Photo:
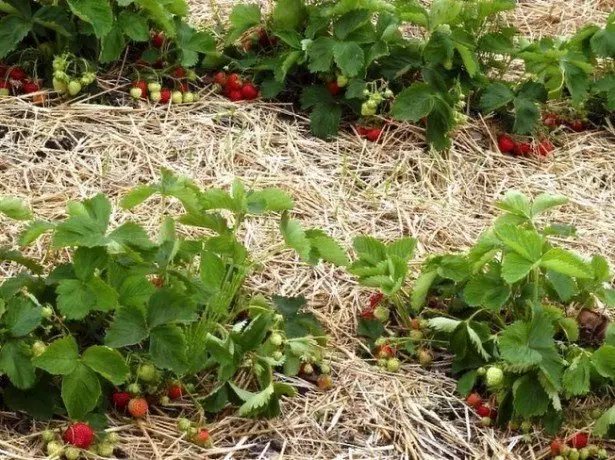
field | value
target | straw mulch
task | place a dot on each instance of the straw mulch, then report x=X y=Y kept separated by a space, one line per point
x=346 y=186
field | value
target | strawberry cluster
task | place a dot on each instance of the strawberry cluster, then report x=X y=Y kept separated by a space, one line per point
x=553 y=120
x=234 y=88
x=541 y=148
x=371 y=134
x=14 y=80
x=155 y=92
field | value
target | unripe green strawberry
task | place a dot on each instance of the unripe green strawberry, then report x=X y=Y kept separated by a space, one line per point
x=105 y=449
x=527 y=438
x=602 y=454
x=113 y=438
x=155 y=96
x=183 y=424
x=584 y=454
x=74 y=87
x=191 y=75
x=307 y=369
x=276 y=339
x=526 y=426
x=381 y=313
x=188 y=98
x=54 y=448
x=4 y=92
x=72 y=453
x=481 y=371
x=278 y=318
x=366 y=93
x=165 y=400
x=425 y=357
x=47 y=312
x=154 y=87
x=177 y=97
x=366 y=110
x=136 y=93
x=134 y=388
x=388 y=93
x=61 y=76
x=393 y=365
x=380 y=341
x=372 y=103
x=559 y=457
x=48 y=435
x=38 y=348
x=415 y=335
x=59 y=64
x=485 y=421
x=277 y=355
x=146 y=372
x=494 y=376
x=342 y=81
x=325 y=369
x=573 y=454
x=59 y=86
x=596 y=413
x=191 y=432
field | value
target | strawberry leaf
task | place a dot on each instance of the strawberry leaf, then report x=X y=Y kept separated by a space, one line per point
x=129 y=327
x=15 y=363
x=80 y=391
x=15 y=208
x=107 y=362
x=167 y=347
x=61 y=357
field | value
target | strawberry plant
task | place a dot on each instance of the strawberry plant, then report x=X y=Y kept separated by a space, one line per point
x=131 y=321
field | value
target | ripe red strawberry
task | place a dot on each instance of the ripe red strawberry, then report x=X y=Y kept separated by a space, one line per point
x=158 y=40
x=175 y=392
x=79 y=434
x=179 y=72
x=235 y=95
x=556 y=447
x=551 y=120
x=578 y=440
x=220 y=78
x=137 y=407
x=522 y=149
x=385 y=351
x=362 y=131
x=544 y=147
x=142 y=85
x=506 y=144
x=17 y=73
x=577 y=126
x=183 y=87
x=373 y=134
x=333 y=88
x=201 y=438
x=375 y=299
x=367 y=313
x=474 y=400
x=120 y=399
x=233 y=82
x=165 y=95
x=30 y=87
x=483 y=411
x=249 y=91
x=3 y=70
x=4 y=84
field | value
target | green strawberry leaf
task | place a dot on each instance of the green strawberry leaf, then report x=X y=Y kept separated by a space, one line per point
x=60 y=358
x=107 y=362
x=80 y=391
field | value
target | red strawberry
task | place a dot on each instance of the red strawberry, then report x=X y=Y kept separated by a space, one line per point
x=233 y=82
x=474 y=400
x=324 y=382
x=367 y=313
x=235 y=95
x=556 y=447
x=4 y=84
x=249 y=91
x=385 y=351
x=362 y=131
x=30 y=87
x=175 y=392
x=220 y=78
x=79 y=434
x=577 y=126
x=522 y=149
x=506 y=144
x=333 y=88
x=3 y=71
x=120 y=399
x=544 y=147
x=137 y=407
x=263 y=38
x=375 y=299
x=165 y=95
x=551 y=120
x=578 y=440
x=415 y=324
x=201 y=438
x=183 y=87
x=179 y=72
x=17 y=73
x=142 y=85
x=483 y=411
x=158 y=40
x=373 y=134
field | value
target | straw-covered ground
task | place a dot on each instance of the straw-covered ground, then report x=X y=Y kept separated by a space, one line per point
x=50 y=155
